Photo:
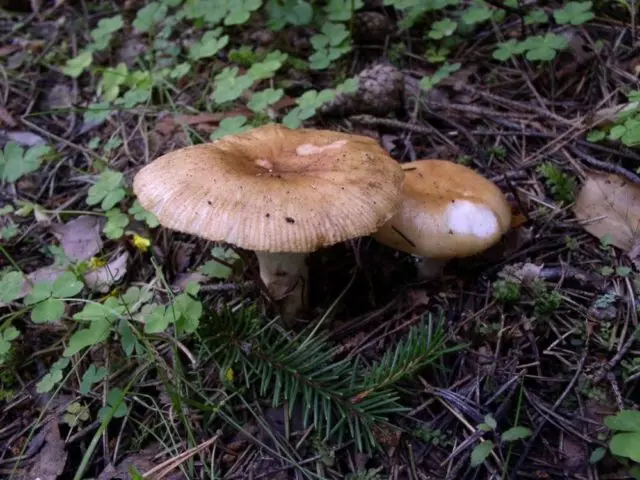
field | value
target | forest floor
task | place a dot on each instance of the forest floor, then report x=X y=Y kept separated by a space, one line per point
x=128 y=350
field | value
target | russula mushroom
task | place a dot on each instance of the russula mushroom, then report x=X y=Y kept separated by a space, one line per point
x=447 y=211
x=280 y=192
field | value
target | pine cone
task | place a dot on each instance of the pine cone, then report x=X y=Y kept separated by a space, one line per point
x=372 y=28
x=380 y=91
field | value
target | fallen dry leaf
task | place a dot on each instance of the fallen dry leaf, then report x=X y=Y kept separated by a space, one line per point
x=521 y=273
x=168 y=124
x=25 y=139
x=80 y=238
x=44 y=274
x=101 y=279
x=6 y=118
x=610 y=205
x=51 y=459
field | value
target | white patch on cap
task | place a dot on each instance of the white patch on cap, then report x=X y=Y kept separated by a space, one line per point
x=310 y=149
x=468 y=218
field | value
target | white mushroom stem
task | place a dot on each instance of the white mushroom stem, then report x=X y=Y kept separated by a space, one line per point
x=285 y=275
x=430 y=268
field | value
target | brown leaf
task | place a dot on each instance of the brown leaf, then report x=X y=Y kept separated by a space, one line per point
x=168 y=124
x=610 y=205
x=102 y=278
x=6 y=118
x=80 y=238
x=51 y=459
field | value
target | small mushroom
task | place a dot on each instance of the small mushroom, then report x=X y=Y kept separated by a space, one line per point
x=280 y=192
x=448 y=211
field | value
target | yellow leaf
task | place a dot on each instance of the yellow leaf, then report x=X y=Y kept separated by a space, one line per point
x=610 y=205
x=228 y=375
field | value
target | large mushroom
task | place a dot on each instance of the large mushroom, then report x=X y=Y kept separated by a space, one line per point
x=448 y=211
x=280 y=192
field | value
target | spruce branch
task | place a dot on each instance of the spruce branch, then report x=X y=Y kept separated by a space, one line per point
x=338 y=396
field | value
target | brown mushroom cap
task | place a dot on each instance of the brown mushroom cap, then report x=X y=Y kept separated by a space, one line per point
x=448 y=210
x=274 y=189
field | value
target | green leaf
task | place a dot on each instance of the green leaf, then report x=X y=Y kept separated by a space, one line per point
x=158 y=320
x=210 y=44
x=515 y=433
x=109 y=181
x=508 y=49
x=427 y=83
x=490 y=421
x=40 y=291
x=544 y=48
x=574 y=13
x=66 y=285
x=91 y=376
x=260 y=101
x=350 y=85
x=536 y=16
x=268 y=67
x=76 y=65
x=6 y=337
x=104 y=31
x=626 y=445
x=624 y=421
x=596 y=136
x=480 y=453
x=230 y=126
x=597 y=455
x=442 y=28
x=48 y=311
x=15 y=162
x=341 y=10
x=240 y=11
x=115 y=403
x=149 y=15
x=476 y=14
x=139 y=213
x=97 y=332
x=97 y=112
x=229 y=86
x=10 y=286
x=49 y=381
x=112 y=79
x=116 y=223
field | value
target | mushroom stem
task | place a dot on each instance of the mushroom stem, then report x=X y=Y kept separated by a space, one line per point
x=285 y=275
x=430 y=268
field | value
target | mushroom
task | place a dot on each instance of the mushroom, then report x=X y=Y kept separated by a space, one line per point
x=280 y=192
x=448 y=210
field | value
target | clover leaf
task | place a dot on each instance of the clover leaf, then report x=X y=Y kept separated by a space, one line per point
x=47 y=297
x=574 y=13
x=15 y=162
x=91 y=375
x=341 y=10
x=268 y=67
x=476 y=14
x=116 y=223
x=139 y=213
x=6 y=337
x=210 y=44
x=544 y=48
x=442 y=28
x=104 y=31
x=508 y=49
x=107 y=191
x=78 y=64
x=427 y=83
x=240 y=11
x=260 y=101
x=149 y=15
x=10 y=286
x=229 y=86
x=230 y=126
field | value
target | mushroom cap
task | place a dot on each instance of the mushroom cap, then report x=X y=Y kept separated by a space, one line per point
x=448 y=210
x=274 y=189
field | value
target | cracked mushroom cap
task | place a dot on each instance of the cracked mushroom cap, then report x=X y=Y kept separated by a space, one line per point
x=274 y=189
x=447 y=211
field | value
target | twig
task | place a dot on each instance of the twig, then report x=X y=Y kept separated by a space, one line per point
x=388 y=122
x=606 y=166
x=543 y=421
